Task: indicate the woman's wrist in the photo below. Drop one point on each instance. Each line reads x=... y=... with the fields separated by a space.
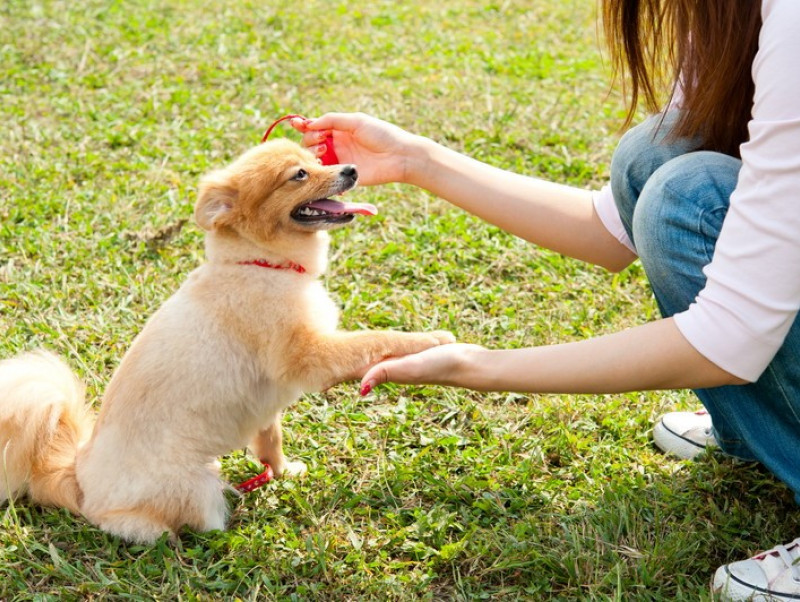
x=469 y=368
x=417 y=163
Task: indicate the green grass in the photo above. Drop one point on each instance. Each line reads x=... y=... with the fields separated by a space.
x=112 y=110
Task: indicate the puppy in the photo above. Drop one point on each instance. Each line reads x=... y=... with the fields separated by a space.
x=212 y=370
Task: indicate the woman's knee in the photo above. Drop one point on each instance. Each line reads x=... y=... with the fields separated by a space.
x=640 y=152
x=677 y=221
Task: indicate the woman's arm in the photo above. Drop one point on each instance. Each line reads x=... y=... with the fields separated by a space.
x=653 y=356
x=647 y=357
x=555 y=216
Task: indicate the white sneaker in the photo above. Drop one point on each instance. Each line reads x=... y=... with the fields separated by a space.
x=684 y=434
x=772 y=575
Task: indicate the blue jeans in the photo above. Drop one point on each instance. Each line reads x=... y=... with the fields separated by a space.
x=672 y=200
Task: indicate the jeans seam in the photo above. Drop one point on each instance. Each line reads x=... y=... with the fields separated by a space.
x=698 y=225
x=708 y=250
x=783 y=396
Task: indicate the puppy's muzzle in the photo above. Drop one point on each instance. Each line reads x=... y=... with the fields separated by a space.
x=327 y=213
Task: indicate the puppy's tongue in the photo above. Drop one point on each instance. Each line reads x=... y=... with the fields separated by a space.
x=338 y=207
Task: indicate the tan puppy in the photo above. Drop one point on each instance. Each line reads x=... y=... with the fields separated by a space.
x=243 y=338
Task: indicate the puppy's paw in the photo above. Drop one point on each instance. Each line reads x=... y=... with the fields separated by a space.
x=443 y=337
x=293 y=469
x=420 y=341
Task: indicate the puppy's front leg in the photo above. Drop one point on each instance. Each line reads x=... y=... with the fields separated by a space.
x=323 y=360
x=268 y=446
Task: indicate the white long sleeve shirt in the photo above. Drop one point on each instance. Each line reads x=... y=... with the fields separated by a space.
x=752 y=294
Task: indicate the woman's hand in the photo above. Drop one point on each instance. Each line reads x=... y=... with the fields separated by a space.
x=442 y=365
x=379 y=149
x=651 y=356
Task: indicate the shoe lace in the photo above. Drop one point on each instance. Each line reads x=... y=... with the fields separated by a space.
x=785 y=554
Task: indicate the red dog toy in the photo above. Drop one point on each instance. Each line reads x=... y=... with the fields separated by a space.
x=328 y=157
x=257 y=481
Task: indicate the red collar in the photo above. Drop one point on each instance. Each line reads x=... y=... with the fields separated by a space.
x=263 y=263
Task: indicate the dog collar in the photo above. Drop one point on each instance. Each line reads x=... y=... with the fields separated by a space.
x=263 y=263
x=257 y=481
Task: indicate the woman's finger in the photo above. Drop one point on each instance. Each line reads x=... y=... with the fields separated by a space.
x=343 y=122
x=377 y=375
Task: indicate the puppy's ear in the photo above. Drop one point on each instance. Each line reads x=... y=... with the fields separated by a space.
x=216 y=200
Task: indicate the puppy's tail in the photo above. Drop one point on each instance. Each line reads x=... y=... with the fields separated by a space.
x=43 y=420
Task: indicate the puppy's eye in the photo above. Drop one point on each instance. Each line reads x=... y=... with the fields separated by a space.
x=301 y=175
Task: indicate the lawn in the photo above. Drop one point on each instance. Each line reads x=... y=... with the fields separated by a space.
x=111 y=112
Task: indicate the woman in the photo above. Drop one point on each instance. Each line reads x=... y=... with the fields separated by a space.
x=707 y=196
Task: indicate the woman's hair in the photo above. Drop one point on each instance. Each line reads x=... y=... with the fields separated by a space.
x=709 y=45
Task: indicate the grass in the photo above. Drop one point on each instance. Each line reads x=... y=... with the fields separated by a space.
x=112 y=110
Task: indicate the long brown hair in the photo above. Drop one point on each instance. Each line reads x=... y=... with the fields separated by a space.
x=709 y=44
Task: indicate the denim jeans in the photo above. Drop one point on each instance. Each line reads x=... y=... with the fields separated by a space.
x=672 y=200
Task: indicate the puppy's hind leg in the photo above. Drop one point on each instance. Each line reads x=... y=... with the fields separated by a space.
x=268 y=446
x=137 y=526
x=196 y=501
x=205 y=508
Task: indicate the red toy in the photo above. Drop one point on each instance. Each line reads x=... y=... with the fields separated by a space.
x=257 y=481
x=328 y=157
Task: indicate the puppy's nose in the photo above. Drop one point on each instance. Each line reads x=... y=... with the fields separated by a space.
x=349 y=171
